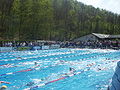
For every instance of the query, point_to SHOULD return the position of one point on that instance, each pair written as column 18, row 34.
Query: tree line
column 53, row 20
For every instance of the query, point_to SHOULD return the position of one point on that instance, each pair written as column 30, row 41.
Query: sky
column 110, row 5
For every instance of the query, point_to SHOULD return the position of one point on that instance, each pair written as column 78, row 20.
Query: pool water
column 92, row 69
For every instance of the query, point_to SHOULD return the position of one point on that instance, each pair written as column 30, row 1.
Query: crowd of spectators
column 16, row 44
column 66, row 44
column 25, row 43
column 94, row 44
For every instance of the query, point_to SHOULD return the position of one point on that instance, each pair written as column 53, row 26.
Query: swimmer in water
column 6, row 65
column 9, row 66
column 35, row 63
column 19, row 58
column 62, row 61
column 71, row 72
column 101, row 69
column 34, row 82
column 30, row 84
column 89, row 65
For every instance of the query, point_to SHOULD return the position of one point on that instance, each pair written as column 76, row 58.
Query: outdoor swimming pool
column 93, row 69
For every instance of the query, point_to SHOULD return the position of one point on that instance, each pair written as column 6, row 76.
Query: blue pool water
column 93, row 69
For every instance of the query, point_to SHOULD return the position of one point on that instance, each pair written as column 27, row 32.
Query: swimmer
column 62, row 61
column 113, row 60
column 9, row 66
column 30, row 84
column 19, row 58
column 6, row 65
column 71, row 72
column 72, row 69
column 101, row 69
column 35, row 63
column 89, row 65
column 34, row 82
column 4, row 87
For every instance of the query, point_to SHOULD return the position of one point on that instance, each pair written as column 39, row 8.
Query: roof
column 103, row 36
column 114, row 36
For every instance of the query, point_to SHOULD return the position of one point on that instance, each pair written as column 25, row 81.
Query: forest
column 60, row 20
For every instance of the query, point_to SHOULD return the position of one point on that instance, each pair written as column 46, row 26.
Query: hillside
column 53, row 20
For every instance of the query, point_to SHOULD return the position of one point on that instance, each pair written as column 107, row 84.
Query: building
column 97, row 37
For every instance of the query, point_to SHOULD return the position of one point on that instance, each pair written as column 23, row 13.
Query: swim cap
column 4, row 86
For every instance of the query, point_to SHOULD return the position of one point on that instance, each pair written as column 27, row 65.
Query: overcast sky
column 111, row 5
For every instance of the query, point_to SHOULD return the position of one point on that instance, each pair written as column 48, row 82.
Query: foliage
column 53, row 20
